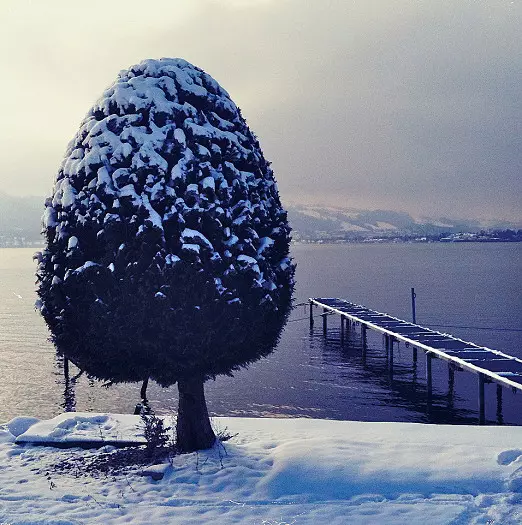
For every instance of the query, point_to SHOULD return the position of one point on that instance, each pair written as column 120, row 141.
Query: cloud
column 409, row 105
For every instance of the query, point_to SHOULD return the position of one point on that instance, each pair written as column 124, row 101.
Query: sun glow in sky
column 406, row 105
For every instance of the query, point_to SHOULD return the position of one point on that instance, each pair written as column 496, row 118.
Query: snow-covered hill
column 316, row 222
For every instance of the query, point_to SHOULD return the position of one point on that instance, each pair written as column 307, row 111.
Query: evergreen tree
column 167, row 250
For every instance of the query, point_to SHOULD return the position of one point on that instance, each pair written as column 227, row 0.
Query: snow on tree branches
column 167, row 246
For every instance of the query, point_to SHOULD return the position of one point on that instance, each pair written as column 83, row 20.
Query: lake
column 472, row 290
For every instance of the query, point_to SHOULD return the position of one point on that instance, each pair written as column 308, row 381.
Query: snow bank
column 280, row 472
column 389, row 469
column 84, row 429
column 19, row 425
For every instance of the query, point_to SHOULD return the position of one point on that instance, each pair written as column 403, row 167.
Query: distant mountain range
column 20, row 222
column 322, row 222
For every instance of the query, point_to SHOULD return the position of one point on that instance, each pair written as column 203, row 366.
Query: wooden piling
column 390, row 356
column 414, row 374
column 325, row 322
column 451, row 385
column 481, row 402
column 500, row 417
column 413, row 314
column 451, row 378
column 429, row 375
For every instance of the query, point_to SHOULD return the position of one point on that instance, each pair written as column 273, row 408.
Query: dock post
column 325, row 322
column 500, row 417
column 482, row 408
column 414, row 373
column 451, row 385
column 342, row 329
column 390, row 356
column 415, row 355
column 363, row 341
column 413, row 315
column 429, row 375
column 311, row 314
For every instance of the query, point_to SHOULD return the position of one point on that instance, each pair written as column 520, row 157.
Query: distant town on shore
column 482, row 236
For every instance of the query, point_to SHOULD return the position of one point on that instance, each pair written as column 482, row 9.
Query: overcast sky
column 412, row 105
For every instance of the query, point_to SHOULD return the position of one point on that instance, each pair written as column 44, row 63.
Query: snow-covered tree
column 167, row 249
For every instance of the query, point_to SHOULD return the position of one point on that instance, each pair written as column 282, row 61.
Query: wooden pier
column 491, row 366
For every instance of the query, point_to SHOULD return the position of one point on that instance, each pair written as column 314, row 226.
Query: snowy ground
column 275, row 472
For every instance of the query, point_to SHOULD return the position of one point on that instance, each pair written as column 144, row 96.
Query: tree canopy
column 167, row 250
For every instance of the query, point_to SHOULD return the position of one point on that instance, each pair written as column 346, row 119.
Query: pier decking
column 490, row 365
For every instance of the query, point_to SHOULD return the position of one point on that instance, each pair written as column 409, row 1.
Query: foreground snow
column 274, row 472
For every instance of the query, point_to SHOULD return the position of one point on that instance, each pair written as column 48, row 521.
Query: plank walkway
column 490, row 365
column 497, row 366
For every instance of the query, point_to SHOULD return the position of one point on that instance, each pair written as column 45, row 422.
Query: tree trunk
column 193, row 429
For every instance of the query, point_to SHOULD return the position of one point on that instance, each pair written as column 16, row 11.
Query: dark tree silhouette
column 167, row 249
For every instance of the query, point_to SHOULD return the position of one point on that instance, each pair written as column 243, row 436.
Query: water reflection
column 390, row 376
column 329, row 376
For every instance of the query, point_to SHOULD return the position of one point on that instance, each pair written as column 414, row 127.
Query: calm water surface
column 469, row 285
